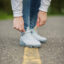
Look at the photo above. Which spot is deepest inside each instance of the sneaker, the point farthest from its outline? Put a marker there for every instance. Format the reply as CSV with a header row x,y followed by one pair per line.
x,y
37,36
28,40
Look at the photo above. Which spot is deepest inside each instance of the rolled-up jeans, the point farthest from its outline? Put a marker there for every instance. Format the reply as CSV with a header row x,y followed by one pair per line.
x,y
30,12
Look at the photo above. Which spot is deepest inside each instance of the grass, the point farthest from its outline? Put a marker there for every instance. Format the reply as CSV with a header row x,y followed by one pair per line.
x,y
5,16
62,14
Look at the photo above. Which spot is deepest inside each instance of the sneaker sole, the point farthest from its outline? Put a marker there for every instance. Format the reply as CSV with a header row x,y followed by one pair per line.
x,y
30,46
43,41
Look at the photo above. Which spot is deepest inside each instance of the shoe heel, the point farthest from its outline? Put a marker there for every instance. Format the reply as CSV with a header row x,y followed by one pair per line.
x,y
22,43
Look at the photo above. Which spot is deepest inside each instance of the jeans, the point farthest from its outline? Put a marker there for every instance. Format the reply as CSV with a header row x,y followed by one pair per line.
x,y
30,12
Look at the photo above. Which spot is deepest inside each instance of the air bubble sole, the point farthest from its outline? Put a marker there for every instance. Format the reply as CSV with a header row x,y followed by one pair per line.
x,y
43,41
30,46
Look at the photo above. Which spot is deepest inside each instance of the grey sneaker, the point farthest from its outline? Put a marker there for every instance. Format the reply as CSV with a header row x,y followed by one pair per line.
x,y
37,36
28,40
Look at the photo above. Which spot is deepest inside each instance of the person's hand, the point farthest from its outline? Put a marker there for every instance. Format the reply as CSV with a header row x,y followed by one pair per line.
x,y
42,17
18,24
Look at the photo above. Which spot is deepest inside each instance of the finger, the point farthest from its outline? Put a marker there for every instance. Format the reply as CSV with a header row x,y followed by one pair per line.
x,y
14,27
23,27
20,30
38,21
41,24
23,30
17,27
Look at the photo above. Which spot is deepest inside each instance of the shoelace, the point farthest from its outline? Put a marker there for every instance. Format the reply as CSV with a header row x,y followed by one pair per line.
x,y
28,30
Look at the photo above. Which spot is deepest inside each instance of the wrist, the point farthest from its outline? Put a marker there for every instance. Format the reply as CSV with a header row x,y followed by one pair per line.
x,y
42,11
18,17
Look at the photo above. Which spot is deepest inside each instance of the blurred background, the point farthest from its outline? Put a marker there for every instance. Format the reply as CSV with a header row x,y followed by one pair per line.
x,y
51,52
56,8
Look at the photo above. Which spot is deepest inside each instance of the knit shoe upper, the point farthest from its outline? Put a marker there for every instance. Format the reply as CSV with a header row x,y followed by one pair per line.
x,y
37,36
28,40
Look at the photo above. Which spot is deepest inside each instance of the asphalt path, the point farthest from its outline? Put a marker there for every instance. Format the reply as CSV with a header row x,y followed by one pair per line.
x,y
51,52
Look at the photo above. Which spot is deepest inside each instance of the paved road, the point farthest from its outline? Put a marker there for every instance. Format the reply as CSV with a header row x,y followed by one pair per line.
x,y
51,52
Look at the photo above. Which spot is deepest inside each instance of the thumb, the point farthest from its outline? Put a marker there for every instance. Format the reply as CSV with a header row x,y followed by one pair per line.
x,y
23,30
38,21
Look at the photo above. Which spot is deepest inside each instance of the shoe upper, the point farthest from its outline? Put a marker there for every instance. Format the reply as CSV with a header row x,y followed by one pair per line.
x,y
37,36
28,39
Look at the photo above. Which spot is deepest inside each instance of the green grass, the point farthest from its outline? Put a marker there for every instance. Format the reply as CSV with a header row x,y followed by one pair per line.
x,y
62,14
5,16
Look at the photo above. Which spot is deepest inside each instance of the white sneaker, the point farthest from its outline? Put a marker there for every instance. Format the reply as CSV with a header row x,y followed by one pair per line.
x,y
28,40
38,37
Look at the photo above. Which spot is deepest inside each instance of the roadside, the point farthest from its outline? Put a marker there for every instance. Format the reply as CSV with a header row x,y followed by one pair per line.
x,y
51,52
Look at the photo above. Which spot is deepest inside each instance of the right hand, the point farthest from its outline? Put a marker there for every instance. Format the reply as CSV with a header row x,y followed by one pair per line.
x,y
18,24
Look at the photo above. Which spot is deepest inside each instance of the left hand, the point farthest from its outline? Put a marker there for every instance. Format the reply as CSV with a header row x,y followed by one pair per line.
x,y
42,17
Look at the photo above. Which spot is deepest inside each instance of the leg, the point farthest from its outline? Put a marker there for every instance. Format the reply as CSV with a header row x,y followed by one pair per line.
x,y
27,39
26,13
35,4
34,12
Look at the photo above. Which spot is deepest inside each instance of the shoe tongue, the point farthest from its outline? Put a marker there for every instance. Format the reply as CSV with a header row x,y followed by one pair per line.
x,y
34,31
28,30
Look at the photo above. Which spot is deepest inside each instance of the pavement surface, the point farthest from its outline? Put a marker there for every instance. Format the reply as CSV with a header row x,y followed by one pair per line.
x,y
51,52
